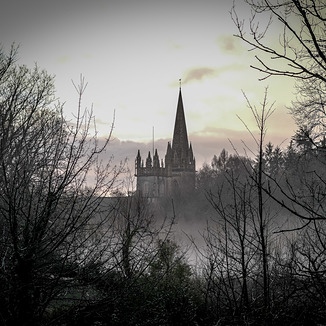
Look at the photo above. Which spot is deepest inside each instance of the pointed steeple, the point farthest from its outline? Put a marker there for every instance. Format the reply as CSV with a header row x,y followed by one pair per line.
x,y
138,162
180,136
149,160
156,160
168,156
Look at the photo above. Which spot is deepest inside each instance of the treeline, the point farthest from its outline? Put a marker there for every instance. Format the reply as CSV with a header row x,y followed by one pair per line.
x,y
265,257
266,251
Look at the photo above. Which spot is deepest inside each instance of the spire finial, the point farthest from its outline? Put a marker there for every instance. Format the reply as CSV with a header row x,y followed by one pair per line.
x,y
180,83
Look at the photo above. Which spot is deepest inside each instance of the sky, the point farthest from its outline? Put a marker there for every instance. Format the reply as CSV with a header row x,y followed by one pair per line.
x,y
132,55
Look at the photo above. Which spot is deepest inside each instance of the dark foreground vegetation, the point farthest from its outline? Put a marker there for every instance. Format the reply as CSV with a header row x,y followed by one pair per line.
x,y
72,253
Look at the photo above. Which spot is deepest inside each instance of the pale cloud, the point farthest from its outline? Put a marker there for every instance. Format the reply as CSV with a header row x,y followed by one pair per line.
x,y
173,45
87,56
199,73
210,141
126,151
63,59
229,44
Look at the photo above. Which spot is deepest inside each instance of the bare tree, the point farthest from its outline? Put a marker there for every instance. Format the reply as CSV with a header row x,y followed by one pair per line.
x,y
49,211
230,242
261,227
299,54
242,242
137,231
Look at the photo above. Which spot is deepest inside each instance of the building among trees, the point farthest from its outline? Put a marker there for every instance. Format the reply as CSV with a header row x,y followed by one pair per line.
x,y
177,173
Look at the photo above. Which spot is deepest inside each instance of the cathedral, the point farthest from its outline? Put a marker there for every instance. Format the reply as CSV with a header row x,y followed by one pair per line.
x,y
177,173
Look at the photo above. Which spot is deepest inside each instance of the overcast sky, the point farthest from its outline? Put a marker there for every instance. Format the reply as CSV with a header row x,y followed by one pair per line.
x,y
132,54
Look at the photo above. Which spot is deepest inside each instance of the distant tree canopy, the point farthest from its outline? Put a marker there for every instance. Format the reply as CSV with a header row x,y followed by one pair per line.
x,y
220,165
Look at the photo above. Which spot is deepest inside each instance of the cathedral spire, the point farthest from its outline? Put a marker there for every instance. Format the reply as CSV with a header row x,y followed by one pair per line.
x,y
180,137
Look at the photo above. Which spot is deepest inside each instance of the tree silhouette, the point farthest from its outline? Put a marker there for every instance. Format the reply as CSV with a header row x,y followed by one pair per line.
x,y
49,213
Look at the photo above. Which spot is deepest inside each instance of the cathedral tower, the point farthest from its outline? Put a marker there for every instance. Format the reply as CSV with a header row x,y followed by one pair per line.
x,y
178,174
